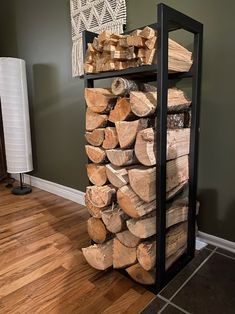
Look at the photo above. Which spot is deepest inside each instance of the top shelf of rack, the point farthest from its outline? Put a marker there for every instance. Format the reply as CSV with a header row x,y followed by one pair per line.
x,y
142,73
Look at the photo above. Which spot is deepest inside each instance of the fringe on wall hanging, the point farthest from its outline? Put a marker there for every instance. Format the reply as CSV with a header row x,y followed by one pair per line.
x,y
94,16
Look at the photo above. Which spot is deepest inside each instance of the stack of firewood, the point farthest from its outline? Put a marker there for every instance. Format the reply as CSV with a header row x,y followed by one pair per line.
x,y
110,52
122,170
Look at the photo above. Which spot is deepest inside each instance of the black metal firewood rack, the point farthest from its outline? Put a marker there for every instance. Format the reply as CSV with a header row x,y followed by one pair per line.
x,y
168,20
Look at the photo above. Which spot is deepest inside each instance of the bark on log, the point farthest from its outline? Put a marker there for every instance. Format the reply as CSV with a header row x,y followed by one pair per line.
x,y
143,179
145,146
100,196
128,239
95,154
93,210
99,256
140,275
95,120
119,157
99,100
123,256
114,219
96,137
110,138
132,204
127,131
96,174
117,176
96,230
121,111
123,87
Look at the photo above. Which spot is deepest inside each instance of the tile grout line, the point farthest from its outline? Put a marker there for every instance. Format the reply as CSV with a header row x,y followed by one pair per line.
x,y
225,255
186,281
191,276
173,304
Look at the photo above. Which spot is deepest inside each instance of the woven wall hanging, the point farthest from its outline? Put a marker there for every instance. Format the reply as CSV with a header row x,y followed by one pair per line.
x,y
94,16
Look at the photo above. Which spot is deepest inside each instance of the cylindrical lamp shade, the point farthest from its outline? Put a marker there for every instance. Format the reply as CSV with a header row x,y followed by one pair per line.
x,y
15,115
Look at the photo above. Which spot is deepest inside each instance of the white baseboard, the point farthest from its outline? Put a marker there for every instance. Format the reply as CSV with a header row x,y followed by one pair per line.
x,y
78,197
219,242
54,188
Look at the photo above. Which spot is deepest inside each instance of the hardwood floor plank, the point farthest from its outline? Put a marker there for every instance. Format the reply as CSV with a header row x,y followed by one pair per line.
x,y
42,268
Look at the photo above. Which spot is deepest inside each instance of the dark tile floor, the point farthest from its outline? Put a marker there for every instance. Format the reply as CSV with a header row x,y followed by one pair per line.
x,y
204,286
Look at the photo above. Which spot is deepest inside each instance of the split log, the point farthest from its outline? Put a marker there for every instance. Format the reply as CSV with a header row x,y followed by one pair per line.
x,y
110,138
127,131
96,230
123,256
99,256
128,239
146,227
146,254
145,146
176,238
100,196
177,212
117,176
99,100
132,204
151,43
150,56
119,157
142,228
171,259
96,137
135,41
144,104
147,32
176,190
122,111
123,87
143,179
140,275
93,210
114,219
95,120
95,154
96,174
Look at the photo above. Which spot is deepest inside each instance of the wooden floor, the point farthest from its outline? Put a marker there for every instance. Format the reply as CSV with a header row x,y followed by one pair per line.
x,y
42,269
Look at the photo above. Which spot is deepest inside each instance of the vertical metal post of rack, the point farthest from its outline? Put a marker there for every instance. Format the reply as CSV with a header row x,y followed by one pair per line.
x,y
169,20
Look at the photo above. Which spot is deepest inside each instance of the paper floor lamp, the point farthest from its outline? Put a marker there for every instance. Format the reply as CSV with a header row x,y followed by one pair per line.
x,y
15,115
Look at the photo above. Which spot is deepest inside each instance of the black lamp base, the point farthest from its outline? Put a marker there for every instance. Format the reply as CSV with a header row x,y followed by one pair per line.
x,y
21,190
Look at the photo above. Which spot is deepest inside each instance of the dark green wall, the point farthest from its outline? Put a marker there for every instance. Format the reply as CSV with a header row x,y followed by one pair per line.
x,y
39,32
